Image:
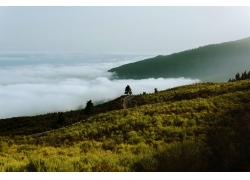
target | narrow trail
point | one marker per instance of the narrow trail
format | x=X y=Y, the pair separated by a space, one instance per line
x=127 y=102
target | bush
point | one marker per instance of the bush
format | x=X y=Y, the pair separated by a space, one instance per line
x=3 y=146
x=85 y=146
x=108 y=145
x=103 y=167
x=132 y=137
x=36 y=165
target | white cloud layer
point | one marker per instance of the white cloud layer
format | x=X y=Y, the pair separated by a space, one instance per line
x=39 y=89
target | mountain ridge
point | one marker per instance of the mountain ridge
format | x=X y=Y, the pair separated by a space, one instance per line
x=214 y=62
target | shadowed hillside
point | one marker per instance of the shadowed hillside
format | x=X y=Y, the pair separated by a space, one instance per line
x=214 y=62
x=36 y=124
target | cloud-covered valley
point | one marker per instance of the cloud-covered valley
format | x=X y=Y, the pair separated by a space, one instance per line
x=42 y=88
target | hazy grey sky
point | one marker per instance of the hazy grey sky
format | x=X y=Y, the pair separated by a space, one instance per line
x=123 y=29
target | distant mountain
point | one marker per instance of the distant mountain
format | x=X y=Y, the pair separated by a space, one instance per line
x=216 y=62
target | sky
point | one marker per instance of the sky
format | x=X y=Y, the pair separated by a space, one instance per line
x=128 y=29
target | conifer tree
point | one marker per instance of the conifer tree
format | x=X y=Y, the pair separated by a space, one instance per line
x=89 y=107
x=61 y=119
x=237 y=77
x=128 y=90
x=244 y=75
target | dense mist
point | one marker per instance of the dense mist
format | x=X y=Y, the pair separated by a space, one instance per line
x=38 y=88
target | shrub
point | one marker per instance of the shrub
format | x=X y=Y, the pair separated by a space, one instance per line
x=132 y=137
x=36 y=165
x=108 y=145
x=103 y=167
x=85 y=146
x=3 y=146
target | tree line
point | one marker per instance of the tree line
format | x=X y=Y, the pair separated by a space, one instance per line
x=239 y=77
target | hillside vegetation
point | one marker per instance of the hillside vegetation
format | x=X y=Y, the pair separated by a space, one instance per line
x=198 y=127
x=214 y=62
x=27 y=125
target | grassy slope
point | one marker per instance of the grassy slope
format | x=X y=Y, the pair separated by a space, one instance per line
x=199 y=127
x=214 y=62
x=35 y=124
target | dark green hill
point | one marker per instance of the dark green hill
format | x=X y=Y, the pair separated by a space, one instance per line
x=214 y=62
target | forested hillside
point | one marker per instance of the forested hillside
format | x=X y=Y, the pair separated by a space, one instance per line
x=198 y=127
x=214 y=62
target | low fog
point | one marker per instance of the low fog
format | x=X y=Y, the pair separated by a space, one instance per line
x=40 y=89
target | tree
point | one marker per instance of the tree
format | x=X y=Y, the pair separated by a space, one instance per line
x=61 y=118
x=244 y=75
x=128 y=90
x=156 y=90
x=237 y=77
x=89 y=107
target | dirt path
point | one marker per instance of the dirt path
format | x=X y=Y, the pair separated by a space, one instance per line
x=127 y=102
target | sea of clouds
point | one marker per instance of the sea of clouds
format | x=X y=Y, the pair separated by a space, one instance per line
x=39 y=83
